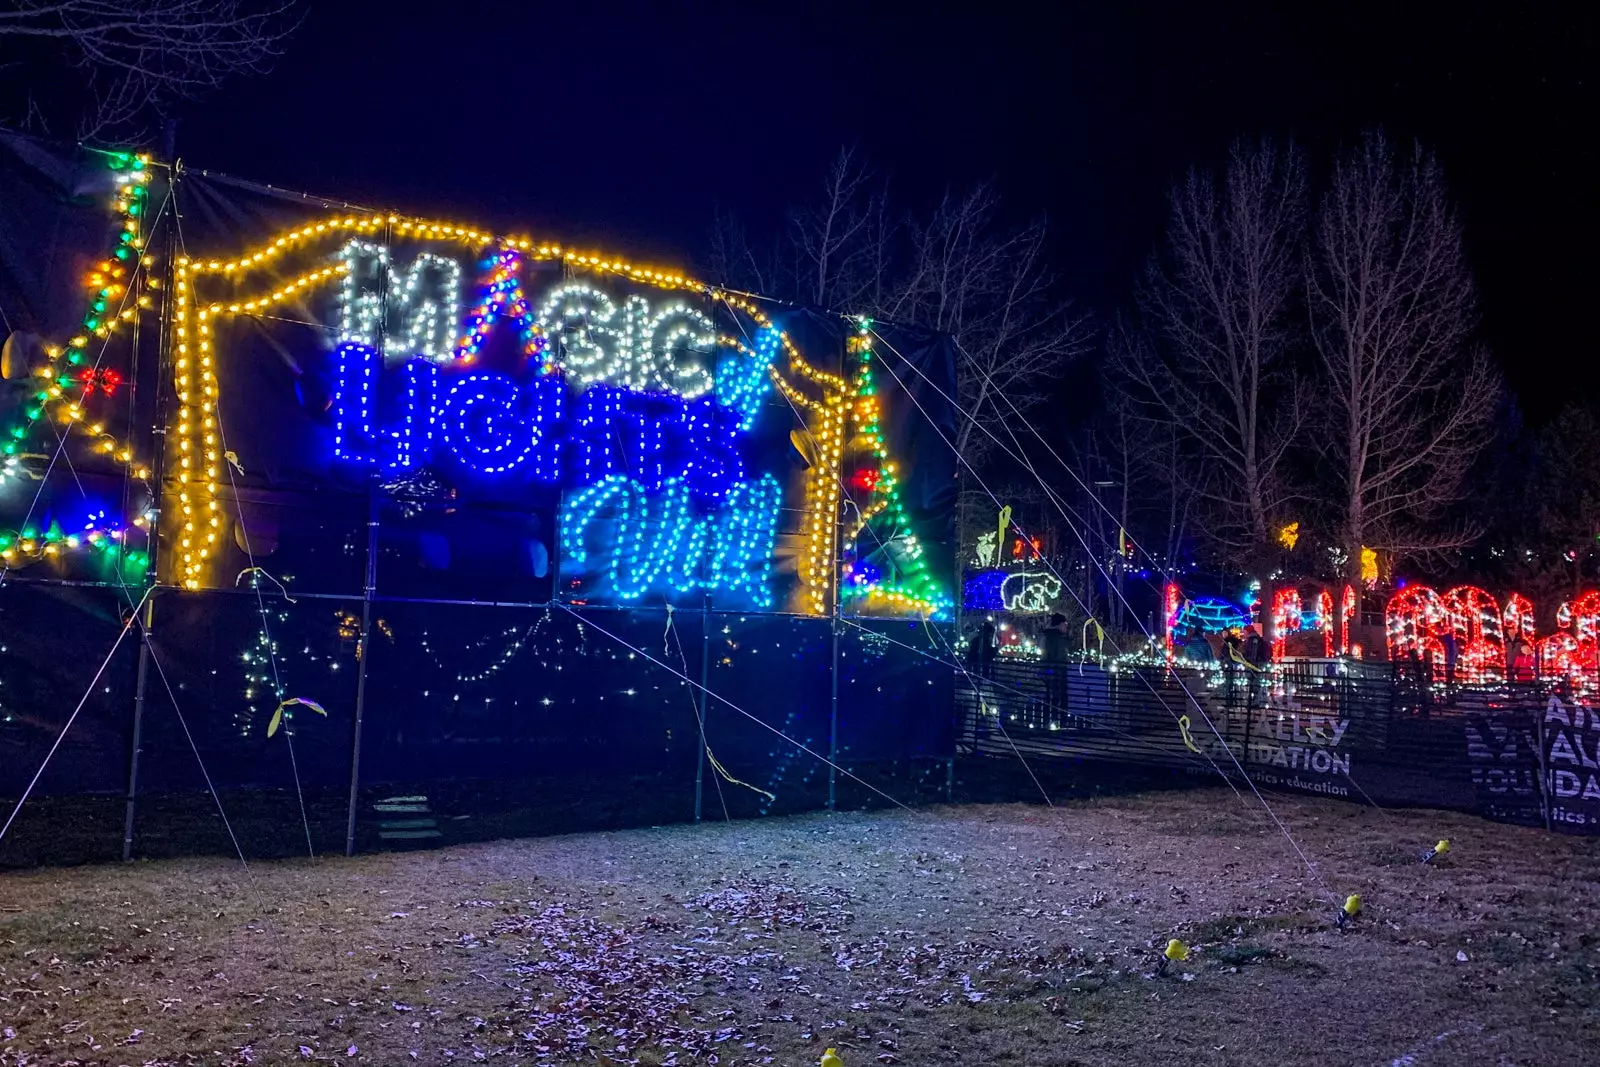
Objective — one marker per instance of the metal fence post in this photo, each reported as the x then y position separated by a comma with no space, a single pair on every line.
157,467
139,688
703,705
365,648
833,722
1249,713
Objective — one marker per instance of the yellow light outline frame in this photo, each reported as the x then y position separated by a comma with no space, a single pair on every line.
194,436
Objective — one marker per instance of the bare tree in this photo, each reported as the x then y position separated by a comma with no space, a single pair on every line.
834,235
734,262
1210,360
990,289
956,270
1392,308
143,53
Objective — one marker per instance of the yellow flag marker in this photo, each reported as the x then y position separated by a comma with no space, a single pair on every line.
831,1058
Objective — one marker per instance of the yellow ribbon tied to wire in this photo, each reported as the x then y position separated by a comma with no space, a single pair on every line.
261,572
1183,728
277,715
711,757
1100,632
717,766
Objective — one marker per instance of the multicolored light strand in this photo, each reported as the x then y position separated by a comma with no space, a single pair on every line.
67,384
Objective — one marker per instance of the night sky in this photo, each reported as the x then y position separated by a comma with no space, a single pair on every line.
624,126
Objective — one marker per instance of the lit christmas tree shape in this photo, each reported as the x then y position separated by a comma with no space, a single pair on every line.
882,523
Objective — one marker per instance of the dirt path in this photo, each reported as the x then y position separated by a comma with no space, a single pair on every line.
975,935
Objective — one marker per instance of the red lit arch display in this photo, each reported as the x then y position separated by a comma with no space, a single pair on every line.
1420,622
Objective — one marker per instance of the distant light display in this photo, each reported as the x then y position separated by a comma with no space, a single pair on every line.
1210,615
1023,592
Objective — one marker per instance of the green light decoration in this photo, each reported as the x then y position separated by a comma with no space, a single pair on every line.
914,590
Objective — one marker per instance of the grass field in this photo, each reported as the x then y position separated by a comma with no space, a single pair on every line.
966,935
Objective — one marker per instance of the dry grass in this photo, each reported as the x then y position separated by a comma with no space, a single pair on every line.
975,935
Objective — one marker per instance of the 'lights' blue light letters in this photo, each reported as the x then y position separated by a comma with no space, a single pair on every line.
484,427
662,475
490,425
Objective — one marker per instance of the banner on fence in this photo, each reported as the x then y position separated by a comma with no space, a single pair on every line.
1294,747
1571,749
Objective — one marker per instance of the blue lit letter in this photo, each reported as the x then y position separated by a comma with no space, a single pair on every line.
713,463
742,539
483,424
385,432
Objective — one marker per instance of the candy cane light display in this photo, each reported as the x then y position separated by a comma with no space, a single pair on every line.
1290,616
1172,605
1517,616
1486,633
1475,621
1287,618
1414,621
1349,603
1325,621
1571,652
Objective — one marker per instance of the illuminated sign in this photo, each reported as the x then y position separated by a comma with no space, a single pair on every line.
1024,592
581,396
524,373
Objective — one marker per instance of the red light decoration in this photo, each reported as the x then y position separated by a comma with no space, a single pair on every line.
104,378
1325,622
1574,652
1413,621
1583,615
1286,618
1289,616
1172,602
1417,619
1026,550
1517,616
1559,656
1349,603
1475,620
866,479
